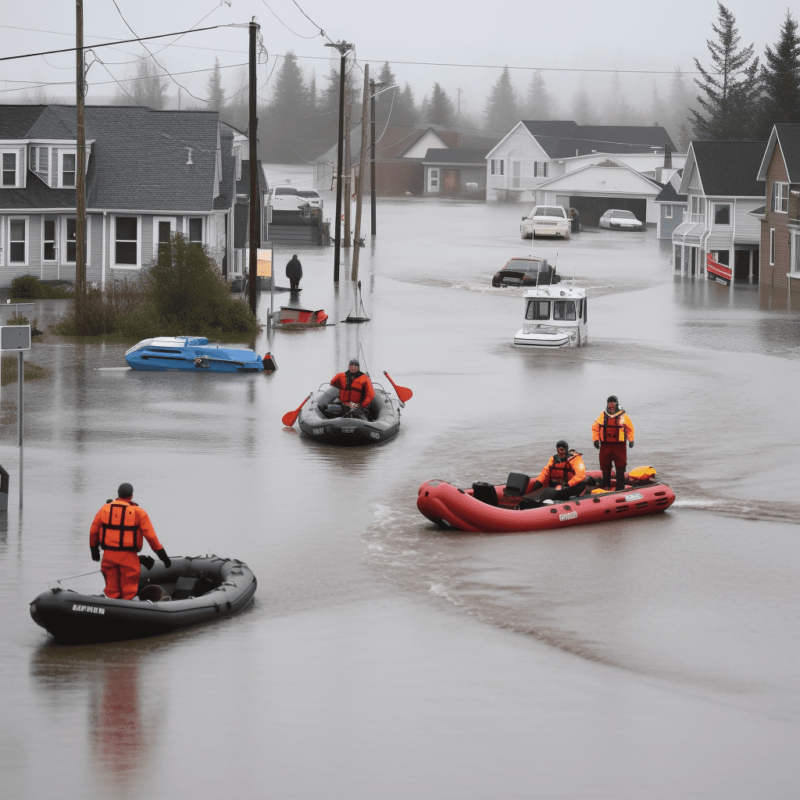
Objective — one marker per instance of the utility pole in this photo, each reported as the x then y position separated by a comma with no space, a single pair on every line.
348,173
362,163
80,165
255,196
343,48
373,202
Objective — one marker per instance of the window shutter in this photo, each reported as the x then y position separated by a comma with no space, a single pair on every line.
774,194
21,167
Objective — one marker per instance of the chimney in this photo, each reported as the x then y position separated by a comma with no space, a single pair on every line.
667,157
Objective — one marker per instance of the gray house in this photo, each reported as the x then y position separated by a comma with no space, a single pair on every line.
672,206
148,174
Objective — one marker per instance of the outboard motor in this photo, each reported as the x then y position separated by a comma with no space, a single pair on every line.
334,409
270,364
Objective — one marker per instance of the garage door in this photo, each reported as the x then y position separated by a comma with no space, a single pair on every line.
592,208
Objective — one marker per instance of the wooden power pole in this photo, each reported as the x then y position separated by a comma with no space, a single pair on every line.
362,165
80,161
348,175
255,196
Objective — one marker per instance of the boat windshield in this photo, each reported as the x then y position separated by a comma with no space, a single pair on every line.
564,309
139,346
549,211
538,309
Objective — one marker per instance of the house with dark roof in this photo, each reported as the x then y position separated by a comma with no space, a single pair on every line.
719,237
538,151
780,217
671,205
149,174
454,171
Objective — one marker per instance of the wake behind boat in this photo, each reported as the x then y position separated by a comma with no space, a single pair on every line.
194,354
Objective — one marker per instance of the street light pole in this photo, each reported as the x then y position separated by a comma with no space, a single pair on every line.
255,192
80,161
343,48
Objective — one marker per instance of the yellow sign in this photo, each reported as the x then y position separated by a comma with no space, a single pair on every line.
264,264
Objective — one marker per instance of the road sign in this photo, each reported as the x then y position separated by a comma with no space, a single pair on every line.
15,337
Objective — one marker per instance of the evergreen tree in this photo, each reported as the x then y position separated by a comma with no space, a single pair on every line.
502,110
150,86
658,108
539,104
730,85
678,111
214,90
287,136
582,107
383,102
780,77
440,110
405,108
617,111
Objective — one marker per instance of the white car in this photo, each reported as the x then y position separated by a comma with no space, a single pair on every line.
546,221
308,196
620,220
284,198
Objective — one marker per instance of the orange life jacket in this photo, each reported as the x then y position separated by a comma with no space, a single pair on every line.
360,390
613,427
120,528
562,471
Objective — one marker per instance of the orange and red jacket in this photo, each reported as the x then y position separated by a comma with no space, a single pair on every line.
360,391
122,525
613,427
569,471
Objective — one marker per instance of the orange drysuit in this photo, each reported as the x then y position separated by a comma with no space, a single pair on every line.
569,471
359,390
119,528
615,427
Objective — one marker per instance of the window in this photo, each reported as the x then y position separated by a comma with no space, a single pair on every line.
772,246
564,309
722,213
68,169
18,241
780,197
585,310
540,169
9,169
721,257
698,204
667,212
196,230
126,245
497,166
49,240
538,309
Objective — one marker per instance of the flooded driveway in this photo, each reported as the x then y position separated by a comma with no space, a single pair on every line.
647,658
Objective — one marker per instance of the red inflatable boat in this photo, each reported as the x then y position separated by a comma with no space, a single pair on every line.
498,512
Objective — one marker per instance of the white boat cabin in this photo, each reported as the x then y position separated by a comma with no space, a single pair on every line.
555,316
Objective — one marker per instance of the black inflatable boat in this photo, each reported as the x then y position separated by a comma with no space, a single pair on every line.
324,420
193,590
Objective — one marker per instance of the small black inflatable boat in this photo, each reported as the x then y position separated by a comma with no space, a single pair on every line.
325,420
193,590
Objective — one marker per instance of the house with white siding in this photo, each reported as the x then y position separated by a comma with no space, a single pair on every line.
148,174
719,237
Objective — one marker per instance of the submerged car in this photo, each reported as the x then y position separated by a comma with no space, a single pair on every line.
620,220
308,197
530,271
546,221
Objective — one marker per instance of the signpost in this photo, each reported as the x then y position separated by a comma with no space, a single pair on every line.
18,338
265,270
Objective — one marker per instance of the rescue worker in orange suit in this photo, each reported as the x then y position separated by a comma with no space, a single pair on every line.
120,528
355,390
610,432
563,477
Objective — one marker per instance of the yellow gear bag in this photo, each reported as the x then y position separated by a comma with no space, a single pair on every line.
641,474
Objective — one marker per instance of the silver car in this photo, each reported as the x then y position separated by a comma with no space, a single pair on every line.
546,221
617,219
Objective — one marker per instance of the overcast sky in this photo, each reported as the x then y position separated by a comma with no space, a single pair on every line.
572,35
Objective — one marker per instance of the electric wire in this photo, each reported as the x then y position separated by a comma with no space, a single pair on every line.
299,35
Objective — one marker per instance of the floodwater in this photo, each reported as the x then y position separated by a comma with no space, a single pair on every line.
382,658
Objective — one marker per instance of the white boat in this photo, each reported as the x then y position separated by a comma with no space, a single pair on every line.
555,316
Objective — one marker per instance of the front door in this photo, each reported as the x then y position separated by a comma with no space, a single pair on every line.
433,179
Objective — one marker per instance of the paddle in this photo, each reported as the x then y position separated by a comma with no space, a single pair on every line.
404,394
290,417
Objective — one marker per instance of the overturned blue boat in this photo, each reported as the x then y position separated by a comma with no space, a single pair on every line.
189,592
194,354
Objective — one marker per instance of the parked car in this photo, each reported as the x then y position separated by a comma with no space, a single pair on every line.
528,271
310,197
620,220
546,221
284,198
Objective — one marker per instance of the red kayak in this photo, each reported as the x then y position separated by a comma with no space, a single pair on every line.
498,512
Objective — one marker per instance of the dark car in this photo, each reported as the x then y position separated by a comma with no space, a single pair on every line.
526,272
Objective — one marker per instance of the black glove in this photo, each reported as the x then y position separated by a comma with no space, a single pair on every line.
147,561
95,548
596,444
162,554
537,484
630,444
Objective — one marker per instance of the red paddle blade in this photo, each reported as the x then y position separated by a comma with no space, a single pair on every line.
402,392
290,417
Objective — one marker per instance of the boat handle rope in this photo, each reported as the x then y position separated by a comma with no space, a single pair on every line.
72,578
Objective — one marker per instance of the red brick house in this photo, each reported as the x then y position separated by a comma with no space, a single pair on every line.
780,225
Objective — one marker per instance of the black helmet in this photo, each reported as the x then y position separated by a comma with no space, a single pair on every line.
613,399
125,490
354,361
562,443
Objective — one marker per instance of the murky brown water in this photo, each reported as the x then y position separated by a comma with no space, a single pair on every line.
652,658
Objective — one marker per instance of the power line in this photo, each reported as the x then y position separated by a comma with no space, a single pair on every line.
299,35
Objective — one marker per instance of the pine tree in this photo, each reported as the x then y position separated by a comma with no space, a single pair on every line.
502,110
287,134
405,108
658,108
441,110
149,88
539,104
678,110
617,110
383,102
582,107
730,86
214,90
780,77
